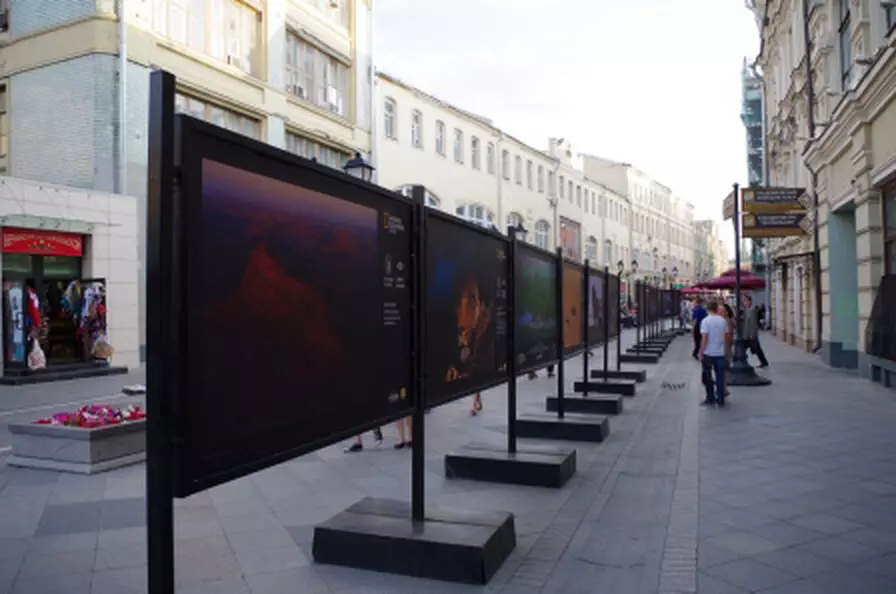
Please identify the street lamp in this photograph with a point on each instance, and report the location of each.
(518, 231)
(358, 167)
(620, 267)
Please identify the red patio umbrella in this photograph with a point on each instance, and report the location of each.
(747, 281)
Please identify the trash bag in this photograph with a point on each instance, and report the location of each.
(36, 358)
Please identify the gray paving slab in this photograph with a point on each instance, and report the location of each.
(790, 489)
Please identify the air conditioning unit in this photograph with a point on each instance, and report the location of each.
(332, 96)
(234, 61)
(888, 3)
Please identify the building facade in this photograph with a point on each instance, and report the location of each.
(293, 73)
(660, 222)
(752, 111)
(836, 136)
(710, 258)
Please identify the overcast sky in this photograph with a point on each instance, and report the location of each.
(652, 82)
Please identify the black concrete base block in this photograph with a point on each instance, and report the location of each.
(650, 350)
(572, 427)
(592, 405)
(620, 387)
(639, 358)
(532, 466)
(637, 375)
(743, 374)
(461, 545)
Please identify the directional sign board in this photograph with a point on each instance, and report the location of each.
(728, 207)
(774, 200)
(773, 225)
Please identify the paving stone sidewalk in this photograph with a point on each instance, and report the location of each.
(811, 457)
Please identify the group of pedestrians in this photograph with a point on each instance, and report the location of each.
(714, 334)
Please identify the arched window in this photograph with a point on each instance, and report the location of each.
(608, 251)
(477, 214)
(515, 219)
(417, 129)
(431, 199)
(591, 249)
(542, 234)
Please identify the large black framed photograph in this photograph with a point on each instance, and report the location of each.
(573, 307)
(595, 302)
(535, 272)
(295, 293)
(615, 295)
(466, 308)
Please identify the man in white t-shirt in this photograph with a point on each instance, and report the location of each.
(714, 336)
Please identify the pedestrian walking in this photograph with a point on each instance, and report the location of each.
(358, 445)
(751, 330)
(715, 333)
(477, 404)
(697, 315)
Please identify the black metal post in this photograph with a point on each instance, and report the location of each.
(161, 370)
(418, 419)
(606, 314)
(561, 379)
(584, 300)
(639, 317)
(741, 373)
(618, 323)
(510, 292)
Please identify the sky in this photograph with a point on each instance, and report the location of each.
(655, 83)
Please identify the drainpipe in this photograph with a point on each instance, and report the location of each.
(122, 99)
(499, 170)
(810, 111)
(556, 197)
(373, 86)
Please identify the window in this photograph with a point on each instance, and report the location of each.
(440, 137)
(389, 123)
(490, 158)
(552, 183)
(541, 179)
(505, 164)
(518, 170)
(311, 149)
(417, 129)
(317, 77)
(219, 116)
(608, 251)
(591, 248)
(474, 153)
(890, 17)
(476, 213)
(529, 174)
(4, 130)
(579, 196)
(562, 185)
(844, 34)
(335, 10)
(226, 30)
(542, 232)
(458, 146)
(514, 219)
(593, 205)
(889, 205)
(569, 187)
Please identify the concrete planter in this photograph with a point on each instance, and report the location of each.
(75, 449)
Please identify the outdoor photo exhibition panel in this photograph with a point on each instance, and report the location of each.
(466, 308)
(537, 331)
(614, 290)
(295, 289)
(573, 308)
(594, 301)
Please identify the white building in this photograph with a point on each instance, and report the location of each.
(475, 170)
(661, 223)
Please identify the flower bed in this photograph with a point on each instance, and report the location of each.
(91, 416)
(91, 439)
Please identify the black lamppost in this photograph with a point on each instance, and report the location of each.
(358, 167)
(518, 231)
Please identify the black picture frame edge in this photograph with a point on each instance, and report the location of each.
(190, 133)
(552, 256)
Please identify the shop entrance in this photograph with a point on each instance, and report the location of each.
(46, 299)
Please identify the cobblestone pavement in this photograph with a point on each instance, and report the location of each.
(791, 489)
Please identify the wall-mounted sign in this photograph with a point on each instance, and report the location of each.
(42, 243)
(773, 225)
(774, 200)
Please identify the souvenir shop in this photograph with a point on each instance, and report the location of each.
(52, 317)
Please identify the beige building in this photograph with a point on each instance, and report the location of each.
(710, 257)
(837, 138)
(74, 82)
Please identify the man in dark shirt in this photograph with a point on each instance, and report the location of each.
(697, 316)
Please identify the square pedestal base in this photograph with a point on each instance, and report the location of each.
(639, 358)
(535, 467)
(635, 375)
(593, 405)
(621, 387)
(572, 427)
(452, 545)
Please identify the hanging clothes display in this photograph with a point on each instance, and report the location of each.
(93, 321)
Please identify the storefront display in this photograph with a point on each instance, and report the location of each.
(46, 300)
